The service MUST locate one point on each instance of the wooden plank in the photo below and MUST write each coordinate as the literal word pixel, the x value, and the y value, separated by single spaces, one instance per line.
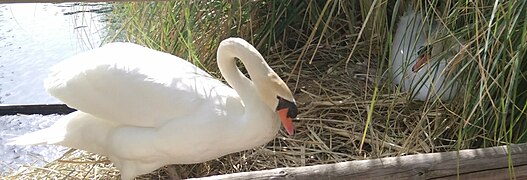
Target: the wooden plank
pixel 44 109
pixel 63 1
pixel 485 163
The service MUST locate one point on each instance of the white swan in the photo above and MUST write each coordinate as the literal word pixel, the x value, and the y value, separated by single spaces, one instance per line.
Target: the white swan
pixel 144 109
pixel 420 65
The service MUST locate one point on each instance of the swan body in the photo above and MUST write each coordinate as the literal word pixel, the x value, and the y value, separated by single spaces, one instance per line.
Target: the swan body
pixel 423 76
pixel 144 109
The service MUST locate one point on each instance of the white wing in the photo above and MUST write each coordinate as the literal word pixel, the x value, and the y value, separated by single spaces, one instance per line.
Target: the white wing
pixel 134 85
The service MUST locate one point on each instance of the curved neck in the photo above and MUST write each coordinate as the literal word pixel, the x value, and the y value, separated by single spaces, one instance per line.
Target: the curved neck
pixel 255 64
pixel 259 124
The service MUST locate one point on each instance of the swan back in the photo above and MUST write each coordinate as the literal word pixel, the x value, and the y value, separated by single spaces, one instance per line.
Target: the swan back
pixel 131 84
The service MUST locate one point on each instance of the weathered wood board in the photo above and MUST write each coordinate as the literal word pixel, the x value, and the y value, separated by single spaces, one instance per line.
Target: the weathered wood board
pixel 486 163
pixel 44 109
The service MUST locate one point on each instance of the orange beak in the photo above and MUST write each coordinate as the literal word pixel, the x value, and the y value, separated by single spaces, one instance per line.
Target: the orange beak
pixel 420 63
pixel 287 122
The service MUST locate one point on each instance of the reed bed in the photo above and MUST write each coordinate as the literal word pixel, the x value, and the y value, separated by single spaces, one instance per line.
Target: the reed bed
pixel 334 55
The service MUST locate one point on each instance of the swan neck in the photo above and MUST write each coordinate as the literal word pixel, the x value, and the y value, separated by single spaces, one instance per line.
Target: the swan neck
pixel 256 125
pixel 228 52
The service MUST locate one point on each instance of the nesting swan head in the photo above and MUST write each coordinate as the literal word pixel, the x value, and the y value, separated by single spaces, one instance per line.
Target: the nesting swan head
pixel 423 58
pixel 271 90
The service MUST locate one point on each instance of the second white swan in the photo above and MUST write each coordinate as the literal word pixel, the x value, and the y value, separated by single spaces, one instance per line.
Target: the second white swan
pixel 420 65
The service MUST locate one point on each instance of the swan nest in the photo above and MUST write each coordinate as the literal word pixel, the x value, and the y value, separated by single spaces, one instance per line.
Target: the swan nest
pixel 333 102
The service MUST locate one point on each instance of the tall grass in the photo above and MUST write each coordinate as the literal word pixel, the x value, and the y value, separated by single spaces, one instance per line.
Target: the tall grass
pixel 333 55
pixel 325 36
pixel 491 110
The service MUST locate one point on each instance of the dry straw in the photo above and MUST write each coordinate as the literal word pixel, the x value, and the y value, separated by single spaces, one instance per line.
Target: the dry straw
pixel 334 63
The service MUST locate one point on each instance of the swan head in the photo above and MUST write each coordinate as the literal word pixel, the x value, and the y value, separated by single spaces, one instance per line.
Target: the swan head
pixel 446 48
pixel 277 96
pixel 424 55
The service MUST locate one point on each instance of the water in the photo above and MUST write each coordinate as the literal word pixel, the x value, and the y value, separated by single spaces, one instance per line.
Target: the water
pixel 34 37
pixel 12 157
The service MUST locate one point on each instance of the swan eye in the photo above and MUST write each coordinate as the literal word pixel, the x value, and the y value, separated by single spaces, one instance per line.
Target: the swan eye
pixel 422 51
pixel 291 106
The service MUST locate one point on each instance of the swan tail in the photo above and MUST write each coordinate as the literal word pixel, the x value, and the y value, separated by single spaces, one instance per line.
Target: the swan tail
pixel 45 136
pixel 76 130
pixel 55 134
